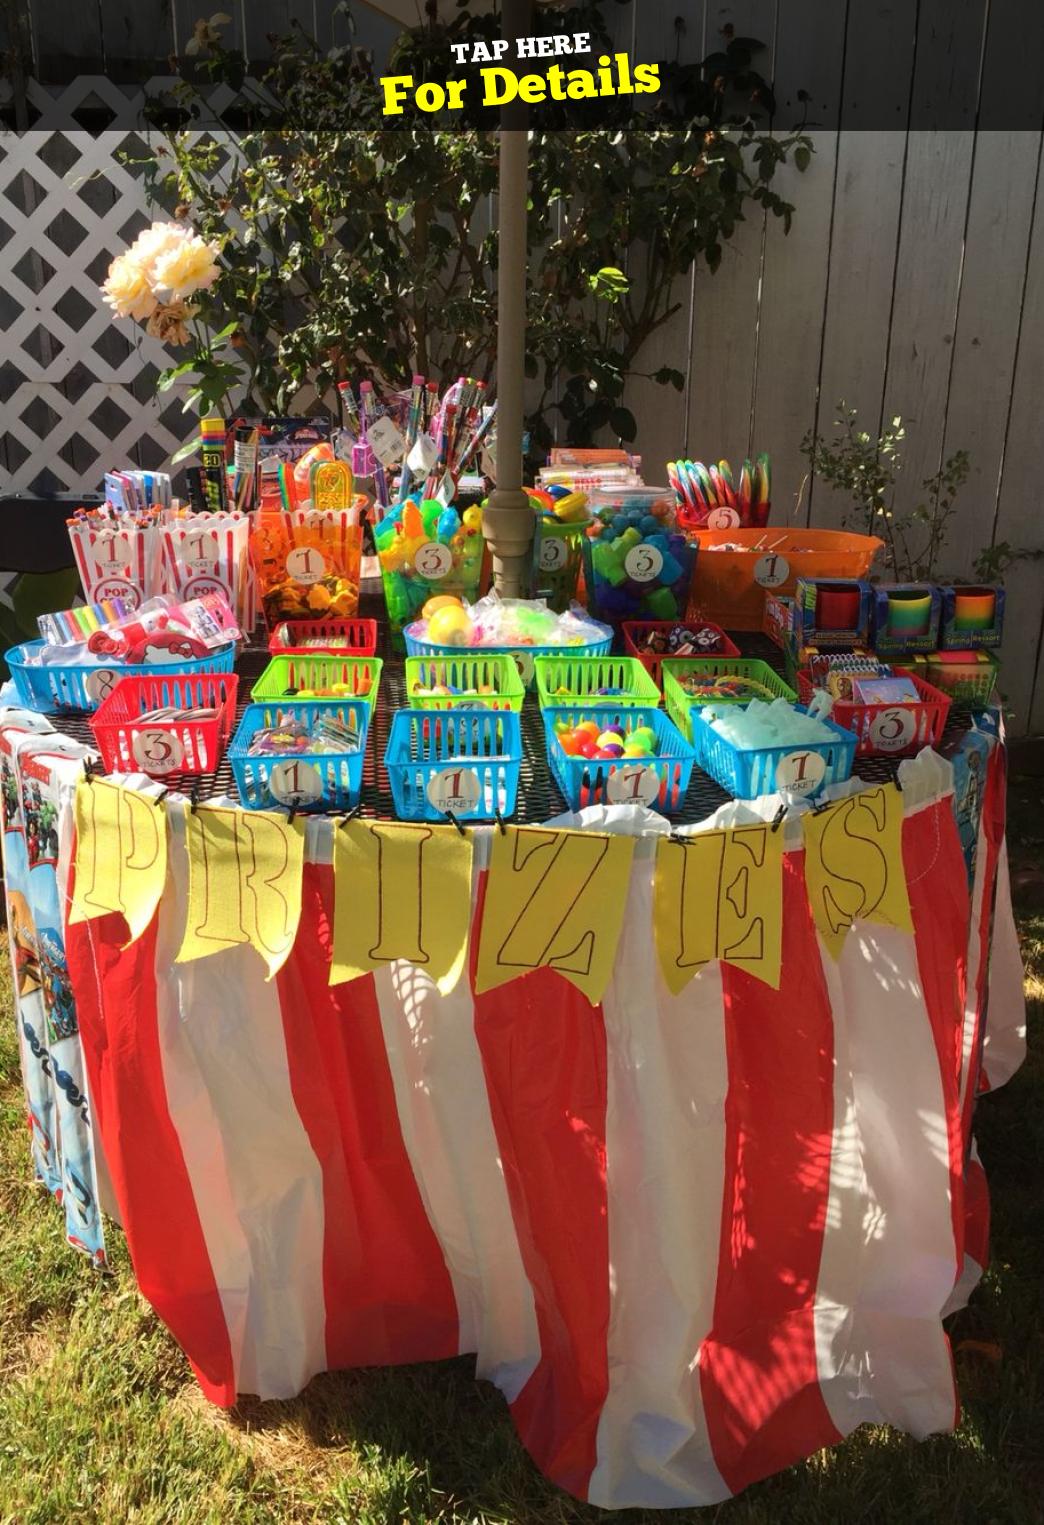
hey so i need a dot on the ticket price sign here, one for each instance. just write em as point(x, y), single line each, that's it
point(723, 518)
point(295, 784)
point(800, 773)
point(526, 665)
point(433, 561)
point(454, 790)
point(305, 565)
point(893, 729)
point(771, 570)
point(157, 751)
point(553, 554)
point(100, 683)
point(633, 784)
point(644, 563)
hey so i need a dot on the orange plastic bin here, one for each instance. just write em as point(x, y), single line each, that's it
point(729, 586)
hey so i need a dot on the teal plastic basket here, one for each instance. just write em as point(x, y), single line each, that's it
point(83, 686)
point(303, 781)
point(659, 781)
point(804, 770)
point(464, 762)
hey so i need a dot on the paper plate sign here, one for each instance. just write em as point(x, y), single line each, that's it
point(892, 730)
point(553, 555)
point(455, 789)
point(800, 773)
point(305, 565)
point(637, 785)
point(100, 683)
point(199, 551)
point(157, 751)
point(643, 563)
point(433, 561)
point(723, 518)
point(295, 783)
point(525, 664)
point(112, 553)
point(771, 571)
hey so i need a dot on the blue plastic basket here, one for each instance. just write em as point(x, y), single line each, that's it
point(601, 781)
point(747, 774)
point(524, 657)
point(463, 761)
point(83, 687)
point(322, 781)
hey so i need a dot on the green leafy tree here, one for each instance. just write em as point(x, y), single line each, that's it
point(350, 248)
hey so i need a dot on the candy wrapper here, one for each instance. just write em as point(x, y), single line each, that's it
point(119, 557)
point(307, 562)
point(208, 553)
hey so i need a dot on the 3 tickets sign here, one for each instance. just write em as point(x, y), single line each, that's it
point(549, 899)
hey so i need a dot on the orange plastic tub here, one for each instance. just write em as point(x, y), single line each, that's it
point(729, 587)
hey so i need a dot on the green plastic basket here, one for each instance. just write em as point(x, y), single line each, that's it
point(286, 676)
point(968, 687)
point(606, 680)
point(495, 672)
point(680, 704)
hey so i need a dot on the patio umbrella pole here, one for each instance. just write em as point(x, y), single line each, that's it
point(508, 520)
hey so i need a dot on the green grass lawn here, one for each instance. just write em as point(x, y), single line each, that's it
point(101, 1421)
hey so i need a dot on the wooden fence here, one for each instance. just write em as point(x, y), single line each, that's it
point(912, 282)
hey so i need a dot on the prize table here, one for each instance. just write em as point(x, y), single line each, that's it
point(539, 798)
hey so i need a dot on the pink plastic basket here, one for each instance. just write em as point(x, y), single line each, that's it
point(167, 750)
point(889, 730)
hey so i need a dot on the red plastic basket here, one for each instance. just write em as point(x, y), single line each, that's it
point(889, 730)
point(634, 631)
point(167, 750)
point(339, 638)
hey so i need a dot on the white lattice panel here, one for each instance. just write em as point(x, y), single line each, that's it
point(77, 389)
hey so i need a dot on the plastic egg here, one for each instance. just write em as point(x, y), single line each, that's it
point(590, 728)
point(440, 601)
point(611, 749)
point(645, 735)
point(449, 626)
point(472, 517)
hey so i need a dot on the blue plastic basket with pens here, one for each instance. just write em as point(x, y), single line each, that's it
point(83, 686)
point(461, 762)
point(300, 780)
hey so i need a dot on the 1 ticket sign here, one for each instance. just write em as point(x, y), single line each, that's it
point(771, 570)
point(633, 784)
point(295, 784)
point(800, 773)
point(454, 790)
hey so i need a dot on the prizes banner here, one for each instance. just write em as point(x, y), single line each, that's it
point(401, 892)
point(554, 899)
point(719, 895)
point(854, 864)
point(245, 870)
point(121, 855)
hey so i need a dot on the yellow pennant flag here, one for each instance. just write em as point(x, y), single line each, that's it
point(554, 899)
point(854, 864)
point(244, 883)
point(121, 854)
point(719, 896)
point(401, 892)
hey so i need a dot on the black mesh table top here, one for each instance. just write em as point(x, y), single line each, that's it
point(538, 797)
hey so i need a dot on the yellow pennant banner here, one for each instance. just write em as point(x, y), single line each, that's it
point(401, 892)
point(244, 883)
point(554, 899)
point(121, 855)
point(854, 864)
point(719, 896)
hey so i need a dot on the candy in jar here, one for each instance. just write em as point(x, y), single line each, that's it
point(636, 564)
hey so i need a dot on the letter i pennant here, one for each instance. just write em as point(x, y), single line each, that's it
point(555, 900)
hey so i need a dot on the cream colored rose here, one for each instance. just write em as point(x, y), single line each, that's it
point(127, 288)
point(189, 266)
point(167, 323)
point(153, 242)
